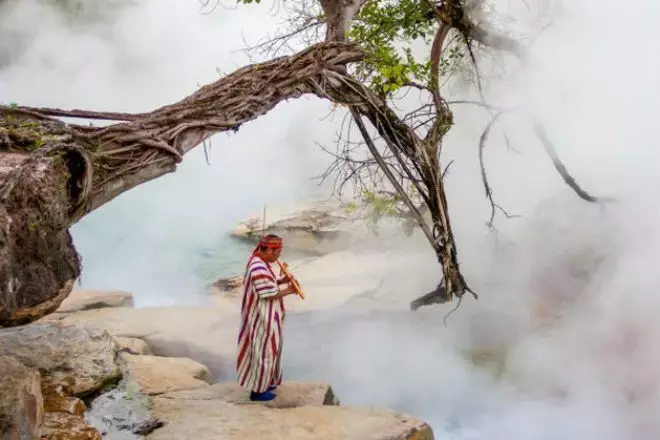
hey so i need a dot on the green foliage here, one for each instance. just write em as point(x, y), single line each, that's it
point(387, 29)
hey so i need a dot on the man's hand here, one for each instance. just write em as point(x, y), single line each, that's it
point(288, 291)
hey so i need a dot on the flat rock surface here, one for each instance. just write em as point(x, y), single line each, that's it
point(216, 419)
point(289, 394)
point(157, 375)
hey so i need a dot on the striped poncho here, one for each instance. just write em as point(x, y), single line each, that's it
point(259, 363)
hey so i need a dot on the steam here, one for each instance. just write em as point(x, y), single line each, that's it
point(562, 343)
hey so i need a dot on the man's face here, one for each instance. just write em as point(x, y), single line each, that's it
point(272, 254)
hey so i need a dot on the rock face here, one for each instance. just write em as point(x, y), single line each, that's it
point(319, 228)
point(21, 402)
point(301, 411)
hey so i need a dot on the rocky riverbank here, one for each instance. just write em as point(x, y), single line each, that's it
point(98, 368)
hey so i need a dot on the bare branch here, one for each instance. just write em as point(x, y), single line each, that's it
point(561, 168)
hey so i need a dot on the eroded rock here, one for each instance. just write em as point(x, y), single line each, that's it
point(21, 401)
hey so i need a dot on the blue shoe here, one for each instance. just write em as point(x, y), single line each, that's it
point(272, 388)
point(261, 397)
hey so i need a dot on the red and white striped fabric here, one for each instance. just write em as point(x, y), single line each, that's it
point(259, 363)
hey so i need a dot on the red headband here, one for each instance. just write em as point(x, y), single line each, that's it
point(268, 242)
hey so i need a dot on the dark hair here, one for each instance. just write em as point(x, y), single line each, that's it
point(267, 238)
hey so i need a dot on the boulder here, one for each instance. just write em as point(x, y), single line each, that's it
point(21, 401)
point(157, 374)
point(81, 358)
point(95, 299)
point(133, 345)
point(217, 414)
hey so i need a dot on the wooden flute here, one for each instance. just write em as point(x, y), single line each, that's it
point(292, 280)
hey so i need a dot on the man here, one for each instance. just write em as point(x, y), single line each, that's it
point(259, 363)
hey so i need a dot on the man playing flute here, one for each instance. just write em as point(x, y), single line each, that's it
point(259, 363)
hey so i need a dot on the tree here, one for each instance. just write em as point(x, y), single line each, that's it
point(52, 173)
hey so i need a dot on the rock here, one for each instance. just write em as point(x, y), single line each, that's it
point(289, 394)
point(230, 287)
point(21, 401)
point(133, 345)
point(64, 426)
point(95, 299)
point(214, 419)
point(319, 228)
point(81, 358)
point(157, 375)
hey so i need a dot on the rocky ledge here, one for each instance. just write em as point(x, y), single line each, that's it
point(318, 228)
point(64, 379)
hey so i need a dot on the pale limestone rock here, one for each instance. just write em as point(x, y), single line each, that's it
point(21, 402)
point(95, 299)
point(157, 375)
